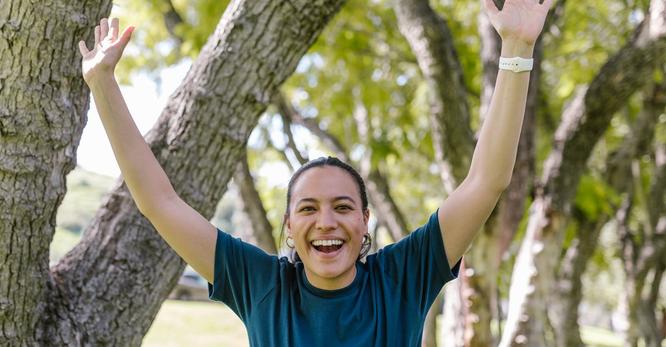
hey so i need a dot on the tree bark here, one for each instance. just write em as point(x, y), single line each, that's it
point(584, 121)
point(261, 233)
point(430, 326)
point(430, 39)
point(107, 290)
point(453, 328)
point(291, 143)
point(644, 254)
point(564, 310)
point(43, 105)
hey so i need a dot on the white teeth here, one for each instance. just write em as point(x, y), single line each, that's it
point(326, 242)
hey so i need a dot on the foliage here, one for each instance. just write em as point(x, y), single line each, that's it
point(361, 65)
point(153, 47)
point(595, 198)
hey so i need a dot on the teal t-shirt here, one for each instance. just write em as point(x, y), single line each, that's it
point(385, 305)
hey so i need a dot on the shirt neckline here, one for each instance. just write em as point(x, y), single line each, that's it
point(325, 293)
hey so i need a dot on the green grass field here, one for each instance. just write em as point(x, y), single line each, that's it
point(188, 323)
point(184, 323)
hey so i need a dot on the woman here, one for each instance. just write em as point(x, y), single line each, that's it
point(328, 297)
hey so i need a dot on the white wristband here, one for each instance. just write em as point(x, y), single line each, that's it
point(516, 64)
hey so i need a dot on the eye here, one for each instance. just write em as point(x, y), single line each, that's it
point(344, 208)
point(306, 209)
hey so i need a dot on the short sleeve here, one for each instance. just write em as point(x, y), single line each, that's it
point(244, 274)
point(418, 264)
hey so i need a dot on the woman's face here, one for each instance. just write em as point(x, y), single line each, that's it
point(327, 222)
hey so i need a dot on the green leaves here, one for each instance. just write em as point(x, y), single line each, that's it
point(594, 197)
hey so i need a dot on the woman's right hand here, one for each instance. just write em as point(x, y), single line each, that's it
point(107, 51)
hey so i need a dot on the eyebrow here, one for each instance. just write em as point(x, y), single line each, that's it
point(342, 197)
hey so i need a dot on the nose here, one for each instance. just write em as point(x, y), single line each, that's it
point(326, 219)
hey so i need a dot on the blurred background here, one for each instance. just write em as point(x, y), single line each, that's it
point(402, 98)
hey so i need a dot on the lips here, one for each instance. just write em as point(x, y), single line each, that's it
point(327, 247)
point(327, 252)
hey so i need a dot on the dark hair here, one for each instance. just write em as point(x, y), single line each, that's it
point(321, 162)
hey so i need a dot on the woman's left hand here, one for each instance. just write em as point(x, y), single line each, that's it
point(519, 20)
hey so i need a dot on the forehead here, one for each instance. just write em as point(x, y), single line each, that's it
point(325, 182)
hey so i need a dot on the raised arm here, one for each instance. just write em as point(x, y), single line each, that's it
point(462, 214)
point(183, 228)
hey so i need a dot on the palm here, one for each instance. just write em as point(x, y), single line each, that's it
point(519, 19)
point(107, 51)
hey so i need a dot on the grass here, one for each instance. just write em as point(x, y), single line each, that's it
point(63, 241)
point(186, 323)
point(598, 337)
point(85, 192)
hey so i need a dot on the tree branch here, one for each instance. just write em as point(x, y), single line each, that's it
point(171, 19)
point(431, 41)
point(588, 115)
point(262, 231)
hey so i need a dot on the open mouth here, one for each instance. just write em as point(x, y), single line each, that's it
point(327, 246)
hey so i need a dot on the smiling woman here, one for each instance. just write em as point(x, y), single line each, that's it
point(327, 221)
point(326, 295)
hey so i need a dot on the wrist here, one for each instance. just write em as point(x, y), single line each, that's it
point(516, 48)
point(99, 79)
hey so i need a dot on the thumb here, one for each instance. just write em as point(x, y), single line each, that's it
point(490, 6)
point(125, 37)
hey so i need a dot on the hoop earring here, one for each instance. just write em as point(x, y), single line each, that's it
point(365, 246)
point(292, 244)
point(367, 240)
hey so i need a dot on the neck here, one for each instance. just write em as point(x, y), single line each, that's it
point(339, 282)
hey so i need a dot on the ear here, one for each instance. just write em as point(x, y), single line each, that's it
point(366, 216)
point(287, 223)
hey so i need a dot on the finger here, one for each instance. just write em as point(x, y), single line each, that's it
point(83, 49)
point(97, 35)
point(104, 26)
point(114, 28)
point(490, 6)
point(547, 3)
point(125, 37)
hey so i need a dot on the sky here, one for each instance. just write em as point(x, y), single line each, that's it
point(145, 100)
point(145, 103)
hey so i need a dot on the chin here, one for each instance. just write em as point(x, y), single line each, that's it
point(329, 271)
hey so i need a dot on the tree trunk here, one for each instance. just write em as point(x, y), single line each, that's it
point(452, 324)
point(107, 290)
point(618, 176)
point(485, 257)
point(261, 233)
point(43, 105)
point(430, 39)
point(644, 255)
point(388, 212)
point(584, 121)
point(430, 327)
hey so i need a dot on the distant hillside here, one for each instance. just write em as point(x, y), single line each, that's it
point(85, 191)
